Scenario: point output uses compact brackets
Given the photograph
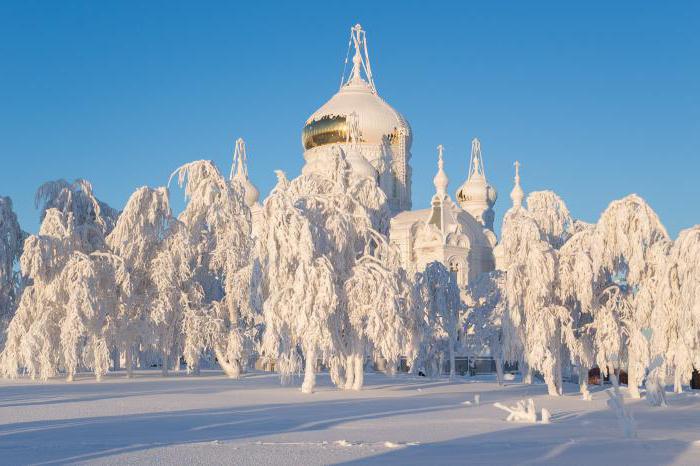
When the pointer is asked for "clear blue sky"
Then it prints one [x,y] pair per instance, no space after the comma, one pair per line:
[597,100]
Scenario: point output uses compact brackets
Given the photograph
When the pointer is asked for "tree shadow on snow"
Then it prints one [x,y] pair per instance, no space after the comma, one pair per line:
[89,438]
[571,439]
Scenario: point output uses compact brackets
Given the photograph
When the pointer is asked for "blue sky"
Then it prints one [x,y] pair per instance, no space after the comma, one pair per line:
[596,99]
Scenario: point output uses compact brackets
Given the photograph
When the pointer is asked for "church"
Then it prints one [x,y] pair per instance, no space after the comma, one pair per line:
[458,233]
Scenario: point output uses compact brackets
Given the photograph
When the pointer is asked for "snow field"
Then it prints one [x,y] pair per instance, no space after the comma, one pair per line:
[211,419]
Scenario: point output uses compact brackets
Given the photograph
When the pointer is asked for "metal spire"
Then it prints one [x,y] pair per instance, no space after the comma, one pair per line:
[360,61]
[239,168]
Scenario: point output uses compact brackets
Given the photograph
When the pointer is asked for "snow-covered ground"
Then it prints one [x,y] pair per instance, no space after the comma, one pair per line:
[211,419]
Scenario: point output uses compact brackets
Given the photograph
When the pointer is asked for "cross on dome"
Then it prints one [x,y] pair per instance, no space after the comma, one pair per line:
[440,181]
[360,60]
[476,167]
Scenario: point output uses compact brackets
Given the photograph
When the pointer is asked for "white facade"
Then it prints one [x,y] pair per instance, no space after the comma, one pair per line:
[445,232]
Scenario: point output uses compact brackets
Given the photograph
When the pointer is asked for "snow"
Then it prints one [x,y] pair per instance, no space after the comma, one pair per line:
[211,419]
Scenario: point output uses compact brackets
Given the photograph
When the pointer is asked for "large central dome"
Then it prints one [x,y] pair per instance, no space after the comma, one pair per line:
[378,122]
[375,138]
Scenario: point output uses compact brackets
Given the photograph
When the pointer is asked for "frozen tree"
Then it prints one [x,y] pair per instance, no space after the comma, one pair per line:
[90,293]
[552,217]
[439,301]
[136,238]
[93,219]
[219,230]
[487,324]
[68,305]
[378,299]
[676,315]
[533,305]
[301,296]
[33,336]
[577,292]
[629,251]
[11,239]
[319,231]
[608,276]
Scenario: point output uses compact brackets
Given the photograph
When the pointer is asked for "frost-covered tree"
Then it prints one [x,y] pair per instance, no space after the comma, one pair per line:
[552,217]
[11,239]
[576,292]
[93,219]
[91,291]
[630,250]
[320,230]
[67,306]
[676,314]
[218,228]
[533,305]
[440,304]
[608,276]
[33,336]
[136,239]
[378,300]
[487,324]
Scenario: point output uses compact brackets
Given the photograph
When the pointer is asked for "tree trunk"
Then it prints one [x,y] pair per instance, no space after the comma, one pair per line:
[558,380]
[116,355]
[452,359]
[583,382]
[550,380]
[633,380]
[129,361]
[309,372]
[526,372]
[232,368]
[677,381]
[613,377]
[499,370]
[359,372]
[350,372]
[164,362]
[337,372]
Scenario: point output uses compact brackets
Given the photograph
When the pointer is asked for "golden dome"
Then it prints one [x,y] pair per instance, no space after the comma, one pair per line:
[378,122]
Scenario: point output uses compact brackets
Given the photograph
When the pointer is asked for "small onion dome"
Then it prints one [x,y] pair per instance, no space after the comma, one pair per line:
[250,192]
[440,180]
[517,194]
[239,173]
[477,190]
[378,122]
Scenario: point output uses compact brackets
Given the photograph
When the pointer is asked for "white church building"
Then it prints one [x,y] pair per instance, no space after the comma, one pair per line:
[458,233]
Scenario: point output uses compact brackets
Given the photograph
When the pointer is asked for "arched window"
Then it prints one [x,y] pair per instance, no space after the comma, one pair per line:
[456,268]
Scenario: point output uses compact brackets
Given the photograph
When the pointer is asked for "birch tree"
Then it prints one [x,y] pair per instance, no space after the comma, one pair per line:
[11,239]
[136,239]
[440,305]
[218,225]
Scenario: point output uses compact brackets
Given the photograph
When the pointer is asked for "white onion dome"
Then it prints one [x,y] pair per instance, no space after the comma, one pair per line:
[440,180]
[239,173]
[251,193]
[476,190]
[378,122]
